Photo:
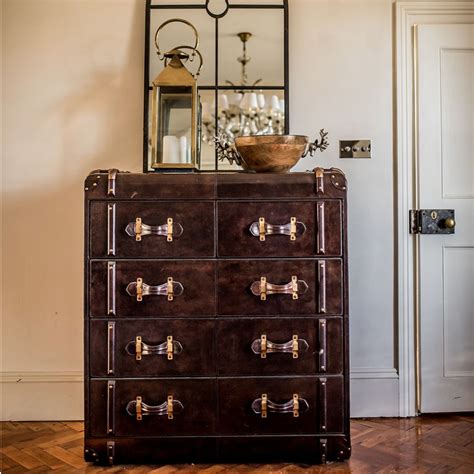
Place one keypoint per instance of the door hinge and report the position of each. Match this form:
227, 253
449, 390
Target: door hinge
432, 221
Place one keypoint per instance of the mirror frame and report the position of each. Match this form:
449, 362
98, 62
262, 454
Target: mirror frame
168, 5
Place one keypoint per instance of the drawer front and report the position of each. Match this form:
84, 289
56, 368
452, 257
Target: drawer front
114, 227
317, 228
320, 403
113, 407
114, 287
164, 348
269, 347
319, 285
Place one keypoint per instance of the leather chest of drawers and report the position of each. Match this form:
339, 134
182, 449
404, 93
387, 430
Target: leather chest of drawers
216, 317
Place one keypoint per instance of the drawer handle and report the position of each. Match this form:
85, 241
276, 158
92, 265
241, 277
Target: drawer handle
263, 346
138, 408
140, 289
261, 228
138, 229
294, 288
263, 405
138, 348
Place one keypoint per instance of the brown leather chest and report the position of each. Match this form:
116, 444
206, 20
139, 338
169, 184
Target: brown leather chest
216, 317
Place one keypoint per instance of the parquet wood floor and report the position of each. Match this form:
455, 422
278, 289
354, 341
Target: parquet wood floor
428, 444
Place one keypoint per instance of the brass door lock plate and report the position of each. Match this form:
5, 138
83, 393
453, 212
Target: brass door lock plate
355, 149
432, 221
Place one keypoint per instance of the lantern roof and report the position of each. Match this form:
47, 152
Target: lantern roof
175, 73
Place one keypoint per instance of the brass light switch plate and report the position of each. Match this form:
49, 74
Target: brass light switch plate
355, 149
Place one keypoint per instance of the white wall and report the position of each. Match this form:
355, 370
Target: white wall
72, 72
341, 79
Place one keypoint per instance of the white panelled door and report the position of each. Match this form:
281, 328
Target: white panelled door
446, 181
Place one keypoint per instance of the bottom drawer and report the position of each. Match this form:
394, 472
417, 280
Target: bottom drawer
168, 407
281, 405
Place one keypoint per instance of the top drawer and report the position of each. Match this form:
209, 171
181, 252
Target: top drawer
115, 232
280, 228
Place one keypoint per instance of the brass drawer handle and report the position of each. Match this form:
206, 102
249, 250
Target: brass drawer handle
294, 288
138, 408
138, 229
138, 348
140, 289
262, 228
263, 405
263, 346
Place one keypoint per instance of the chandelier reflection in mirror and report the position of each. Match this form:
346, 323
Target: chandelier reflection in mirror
244, 111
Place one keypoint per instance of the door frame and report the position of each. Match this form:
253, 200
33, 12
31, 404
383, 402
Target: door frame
408, 15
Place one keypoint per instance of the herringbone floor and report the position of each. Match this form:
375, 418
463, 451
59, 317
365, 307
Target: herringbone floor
418, 445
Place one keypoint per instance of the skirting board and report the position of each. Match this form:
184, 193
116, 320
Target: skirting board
50, 396
42, 396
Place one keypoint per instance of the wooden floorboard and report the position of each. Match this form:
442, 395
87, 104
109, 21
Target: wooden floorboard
428, 444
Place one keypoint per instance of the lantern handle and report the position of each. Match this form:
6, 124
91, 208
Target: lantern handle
175, 20
177, 50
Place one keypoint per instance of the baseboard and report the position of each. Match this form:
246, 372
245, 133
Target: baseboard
41, 396
374, 392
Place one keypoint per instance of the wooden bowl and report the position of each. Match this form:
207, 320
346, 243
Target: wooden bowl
271, 153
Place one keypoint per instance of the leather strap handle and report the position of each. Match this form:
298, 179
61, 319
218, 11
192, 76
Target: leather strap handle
138, 348
294, 288
140, 289
138, 408
263, 405
262, 228
138, 229
263, 346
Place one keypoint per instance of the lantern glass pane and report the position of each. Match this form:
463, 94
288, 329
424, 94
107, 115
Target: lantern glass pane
175, 119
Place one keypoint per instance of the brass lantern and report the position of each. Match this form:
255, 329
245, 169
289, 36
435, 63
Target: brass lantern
175, 104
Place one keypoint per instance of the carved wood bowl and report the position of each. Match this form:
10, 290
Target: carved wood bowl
271, 153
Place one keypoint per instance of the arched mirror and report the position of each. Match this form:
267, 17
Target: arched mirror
242, 87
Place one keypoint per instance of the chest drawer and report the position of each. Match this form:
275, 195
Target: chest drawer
152, 288
319, 405
153, 348
299, 287
113, 407
115, 231
279, 346
279, 228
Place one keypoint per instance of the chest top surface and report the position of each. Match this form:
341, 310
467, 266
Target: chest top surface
113, 184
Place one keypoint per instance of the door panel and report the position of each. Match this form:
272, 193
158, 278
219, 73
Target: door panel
446, 181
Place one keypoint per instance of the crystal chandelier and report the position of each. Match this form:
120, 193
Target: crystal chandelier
244, 112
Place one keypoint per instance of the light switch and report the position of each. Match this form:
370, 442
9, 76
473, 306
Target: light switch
355, 149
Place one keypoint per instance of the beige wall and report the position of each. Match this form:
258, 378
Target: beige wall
72, 72
72, 103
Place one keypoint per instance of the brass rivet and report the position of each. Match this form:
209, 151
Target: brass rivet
86, 189
94, 184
